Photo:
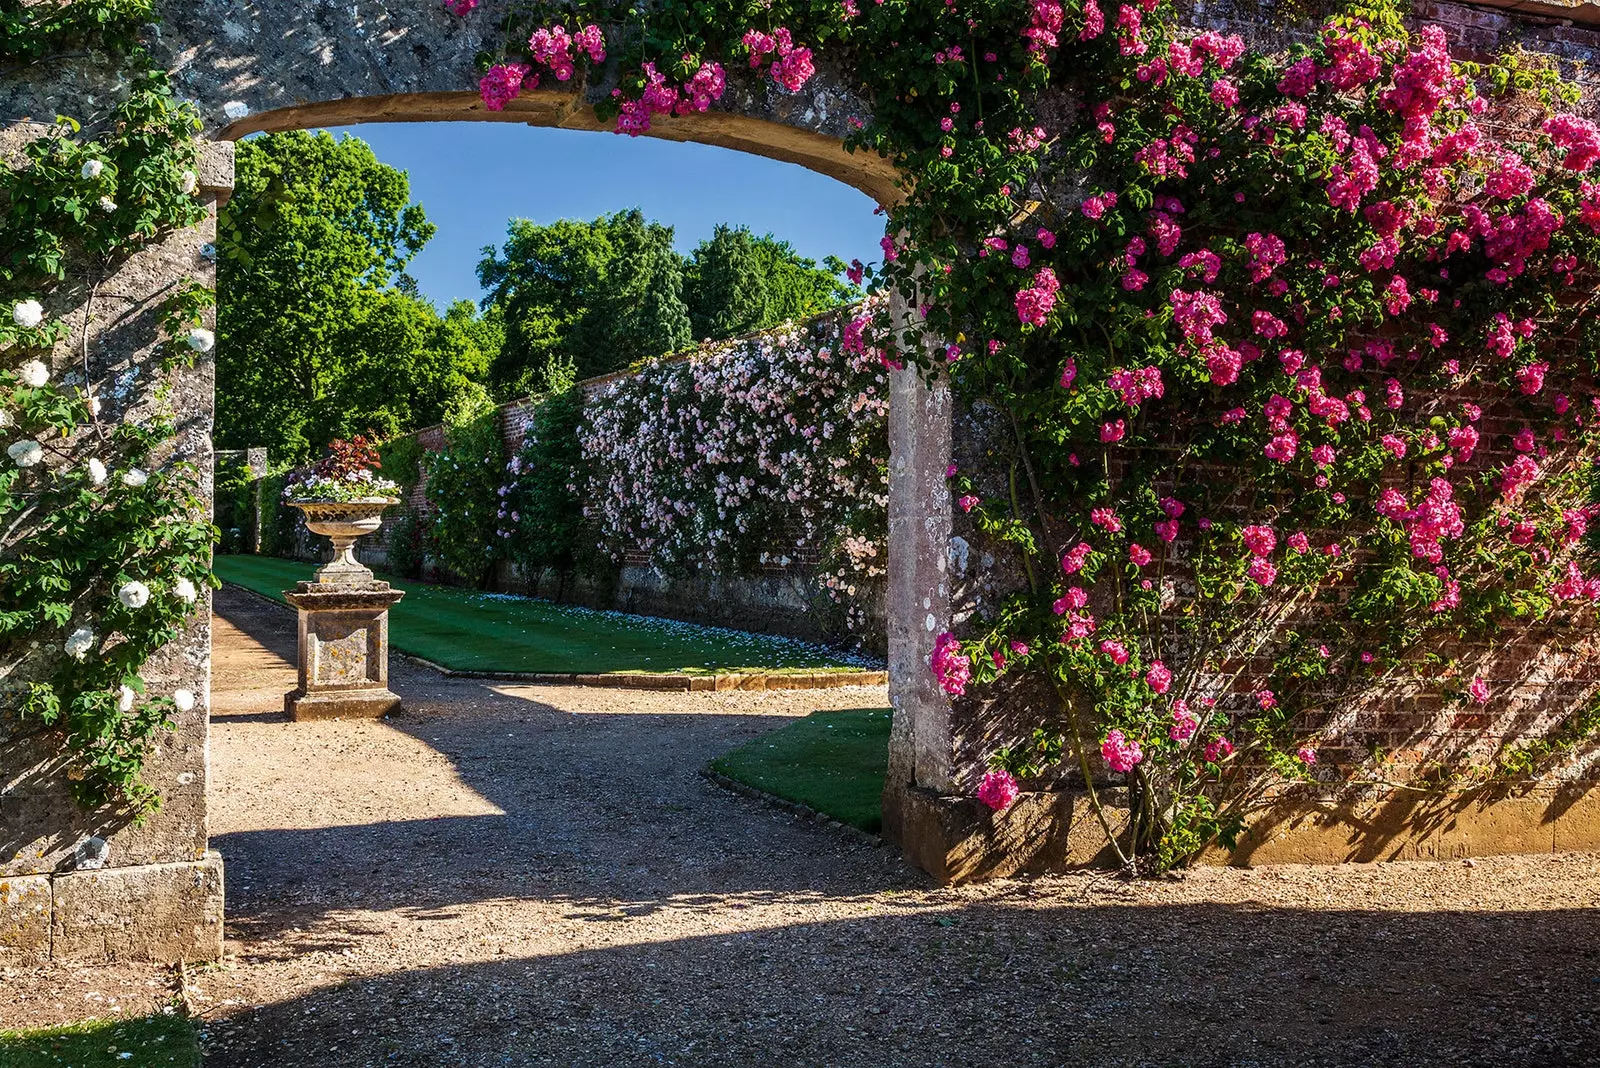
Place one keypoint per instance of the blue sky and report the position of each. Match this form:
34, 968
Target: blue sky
474, 177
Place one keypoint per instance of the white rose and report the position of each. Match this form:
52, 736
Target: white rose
27, 314
97, 471
92, 170
185, 590
25, 453
125, 699
184, 699
134, 477
201, 340
108, 205
79, 642
191, 182
33, 374
134, 594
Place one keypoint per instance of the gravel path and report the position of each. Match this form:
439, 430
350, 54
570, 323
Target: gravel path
515, 875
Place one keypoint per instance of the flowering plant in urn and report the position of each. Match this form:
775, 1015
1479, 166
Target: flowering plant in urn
343, 499
346, 476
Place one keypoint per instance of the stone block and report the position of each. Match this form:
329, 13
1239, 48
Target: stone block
24, 921
343, 704
958, 839
163, 913
344, 651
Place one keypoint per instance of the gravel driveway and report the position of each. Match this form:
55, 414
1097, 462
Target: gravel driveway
516, 875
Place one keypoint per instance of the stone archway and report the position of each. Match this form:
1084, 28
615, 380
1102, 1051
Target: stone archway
289, 64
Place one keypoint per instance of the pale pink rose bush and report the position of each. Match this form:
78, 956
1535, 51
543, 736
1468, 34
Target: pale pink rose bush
753, 453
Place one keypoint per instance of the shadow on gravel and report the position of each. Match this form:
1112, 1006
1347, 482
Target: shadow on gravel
985, 985
605, 812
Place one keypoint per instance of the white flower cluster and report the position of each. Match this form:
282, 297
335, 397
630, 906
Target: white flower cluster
358, 485
774, 447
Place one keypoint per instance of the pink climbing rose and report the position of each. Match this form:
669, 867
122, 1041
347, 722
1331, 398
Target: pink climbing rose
998, 789
1120, 753
1478, 690
504, 82
950, 666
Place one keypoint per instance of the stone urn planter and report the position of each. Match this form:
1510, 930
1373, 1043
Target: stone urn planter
343, 522
344, 620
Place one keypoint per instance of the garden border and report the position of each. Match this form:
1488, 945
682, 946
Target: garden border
677, 682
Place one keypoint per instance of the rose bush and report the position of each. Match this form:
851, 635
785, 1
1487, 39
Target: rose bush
754, 452
104, 537
1295, 348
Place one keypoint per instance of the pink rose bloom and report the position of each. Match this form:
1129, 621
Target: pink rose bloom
1307, 756
967, 502
1184, 724
1116, 651
950, 666
1218, 750
998, 790
1121, 754
1159, 678
1113, 431
1106, 519
1262, 571
1075, 558
1478, 690
503, 83
1138, 555
1260, 540
1299, 542
1069, 373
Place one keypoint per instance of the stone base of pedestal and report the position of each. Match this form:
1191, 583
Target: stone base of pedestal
350, 704
344, 651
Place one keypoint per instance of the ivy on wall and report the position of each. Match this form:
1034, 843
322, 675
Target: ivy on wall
104, 544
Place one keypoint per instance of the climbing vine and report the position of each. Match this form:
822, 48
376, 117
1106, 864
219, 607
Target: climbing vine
1295, 349
104, 544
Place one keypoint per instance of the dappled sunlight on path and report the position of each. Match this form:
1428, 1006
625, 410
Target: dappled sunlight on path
524, 875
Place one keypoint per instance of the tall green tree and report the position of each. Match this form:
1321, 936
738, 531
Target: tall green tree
321, 332
596, 296
728, 285
738, 282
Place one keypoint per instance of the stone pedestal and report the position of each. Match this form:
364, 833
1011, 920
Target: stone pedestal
344, 650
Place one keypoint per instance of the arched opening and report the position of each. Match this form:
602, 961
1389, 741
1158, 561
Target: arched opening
519, 806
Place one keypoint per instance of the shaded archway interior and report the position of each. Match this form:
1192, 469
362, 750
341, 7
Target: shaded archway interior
872, 174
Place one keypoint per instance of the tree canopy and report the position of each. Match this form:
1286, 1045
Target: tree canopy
598, 296
322, 334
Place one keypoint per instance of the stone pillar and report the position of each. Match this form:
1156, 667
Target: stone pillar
95, 886
344, 651
256, 460
921, 750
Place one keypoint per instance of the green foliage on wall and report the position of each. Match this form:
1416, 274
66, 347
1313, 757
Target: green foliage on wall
541, 518
463, 492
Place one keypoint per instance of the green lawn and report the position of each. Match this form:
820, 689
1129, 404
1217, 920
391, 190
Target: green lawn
833, 762
468, 631
158, 1041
